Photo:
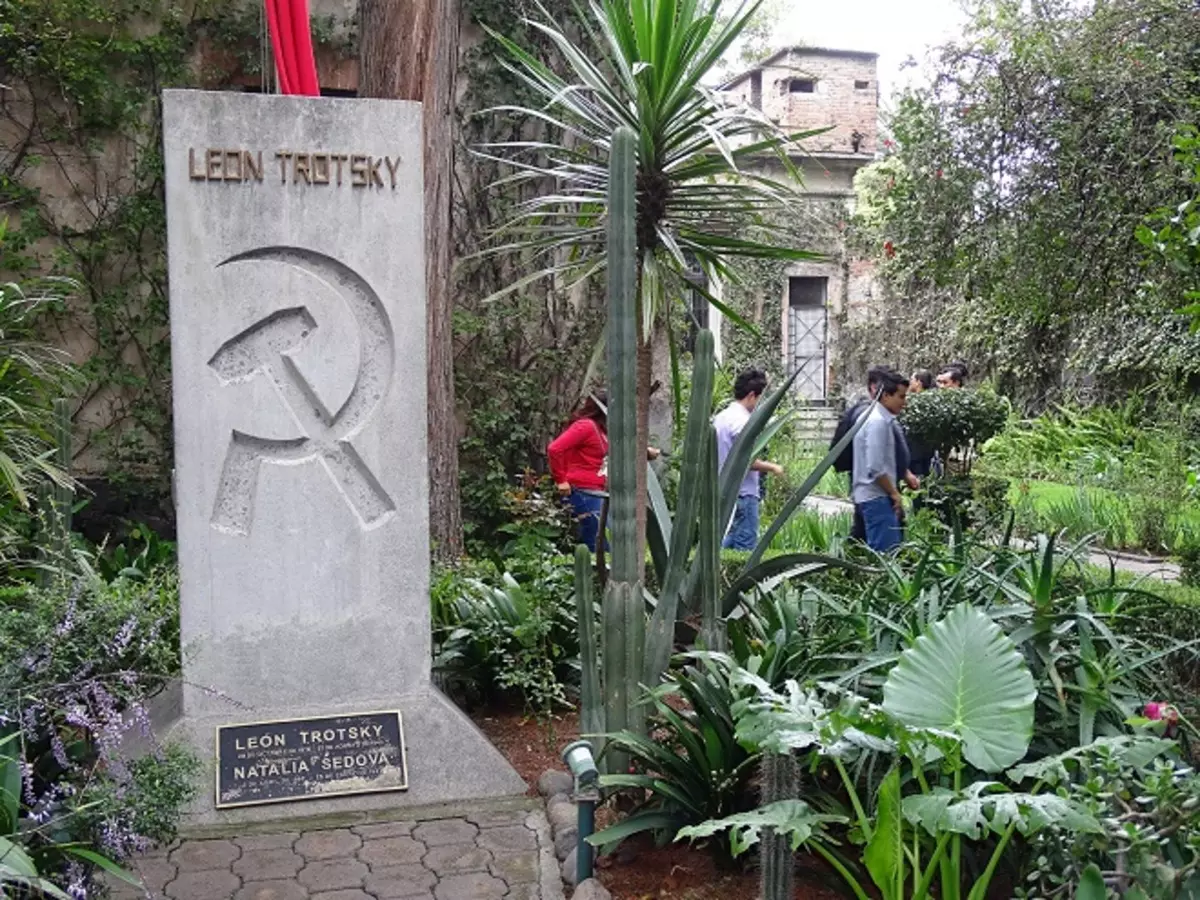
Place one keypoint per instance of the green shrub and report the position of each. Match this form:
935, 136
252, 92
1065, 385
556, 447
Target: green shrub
954, 421
691, 767
79, 657
507, 626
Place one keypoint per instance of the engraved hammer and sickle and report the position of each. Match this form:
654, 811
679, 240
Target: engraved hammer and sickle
267, 347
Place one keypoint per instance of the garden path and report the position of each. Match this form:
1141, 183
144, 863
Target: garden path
499, 851
1160, 569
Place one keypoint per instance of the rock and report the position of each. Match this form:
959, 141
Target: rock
591, 889
559, 798
553, 782
565, 841
562, 815
570, 867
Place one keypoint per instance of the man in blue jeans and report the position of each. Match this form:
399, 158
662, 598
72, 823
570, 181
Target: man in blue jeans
729, 422
875, 493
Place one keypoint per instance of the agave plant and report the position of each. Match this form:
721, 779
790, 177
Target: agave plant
640, 65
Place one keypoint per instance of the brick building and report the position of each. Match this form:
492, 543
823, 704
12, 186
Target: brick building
804, 88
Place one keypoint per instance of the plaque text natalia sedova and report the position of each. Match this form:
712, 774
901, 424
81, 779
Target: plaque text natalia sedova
302, 759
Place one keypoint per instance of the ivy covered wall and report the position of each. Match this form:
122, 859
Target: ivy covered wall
81, 189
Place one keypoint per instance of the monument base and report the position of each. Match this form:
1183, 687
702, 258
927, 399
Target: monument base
449, 761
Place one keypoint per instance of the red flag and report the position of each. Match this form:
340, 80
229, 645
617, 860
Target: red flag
291, 39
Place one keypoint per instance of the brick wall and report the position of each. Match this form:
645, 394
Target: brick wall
836, 98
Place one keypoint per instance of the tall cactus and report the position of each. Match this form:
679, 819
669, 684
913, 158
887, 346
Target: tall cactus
712, 629
624, 607
591, 710
780, 781
696, 473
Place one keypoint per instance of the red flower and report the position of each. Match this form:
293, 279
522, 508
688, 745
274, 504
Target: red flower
889, 250
1156, 711
887, 144
939, 173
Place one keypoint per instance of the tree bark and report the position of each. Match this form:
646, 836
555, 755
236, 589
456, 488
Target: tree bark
408, 50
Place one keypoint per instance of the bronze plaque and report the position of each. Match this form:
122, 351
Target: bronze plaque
306, 759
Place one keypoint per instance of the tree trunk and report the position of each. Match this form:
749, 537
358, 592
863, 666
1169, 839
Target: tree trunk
408, 50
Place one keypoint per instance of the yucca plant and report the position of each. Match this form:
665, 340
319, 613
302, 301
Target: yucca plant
700, 201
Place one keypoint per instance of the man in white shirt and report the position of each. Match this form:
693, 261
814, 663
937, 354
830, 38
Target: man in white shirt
874, 490
729, 422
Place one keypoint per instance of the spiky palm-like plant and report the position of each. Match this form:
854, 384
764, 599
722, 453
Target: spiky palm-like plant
700, 199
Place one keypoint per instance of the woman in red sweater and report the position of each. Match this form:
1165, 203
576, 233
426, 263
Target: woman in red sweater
577, 464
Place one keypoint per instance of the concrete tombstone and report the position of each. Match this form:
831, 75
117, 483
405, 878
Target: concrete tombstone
297, 298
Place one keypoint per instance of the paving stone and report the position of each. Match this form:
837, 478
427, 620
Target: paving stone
400, 881
289, 889
154, 873
516, 866
391, 852
454, 858
524, 892
343, 895
445, 831
268, 865
328, 844
333, 874
514, 837
281, 841
475, 886
204, 856
384, 830
159, 851
209, 885
497, 818
118, 889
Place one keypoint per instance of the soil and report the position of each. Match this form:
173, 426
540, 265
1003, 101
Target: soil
531, 745
638, 870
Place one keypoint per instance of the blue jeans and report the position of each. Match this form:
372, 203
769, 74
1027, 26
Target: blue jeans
743, 531
882, 524
586, 508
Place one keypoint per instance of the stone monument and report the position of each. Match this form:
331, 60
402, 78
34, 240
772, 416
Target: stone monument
297, 293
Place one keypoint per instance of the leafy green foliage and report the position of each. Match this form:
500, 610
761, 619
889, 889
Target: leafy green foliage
1004, 218
793, 819
954, 421
1173, 233
512, 629
965, 677
691, 767
33, 377
1149, 810
641, 66
79, 658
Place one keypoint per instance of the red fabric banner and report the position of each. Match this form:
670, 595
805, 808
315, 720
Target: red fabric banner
291, 39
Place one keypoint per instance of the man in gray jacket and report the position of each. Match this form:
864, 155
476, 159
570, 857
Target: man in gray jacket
874, 490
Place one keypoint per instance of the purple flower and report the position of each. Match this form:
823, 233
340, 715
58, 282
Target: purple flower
121, 642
